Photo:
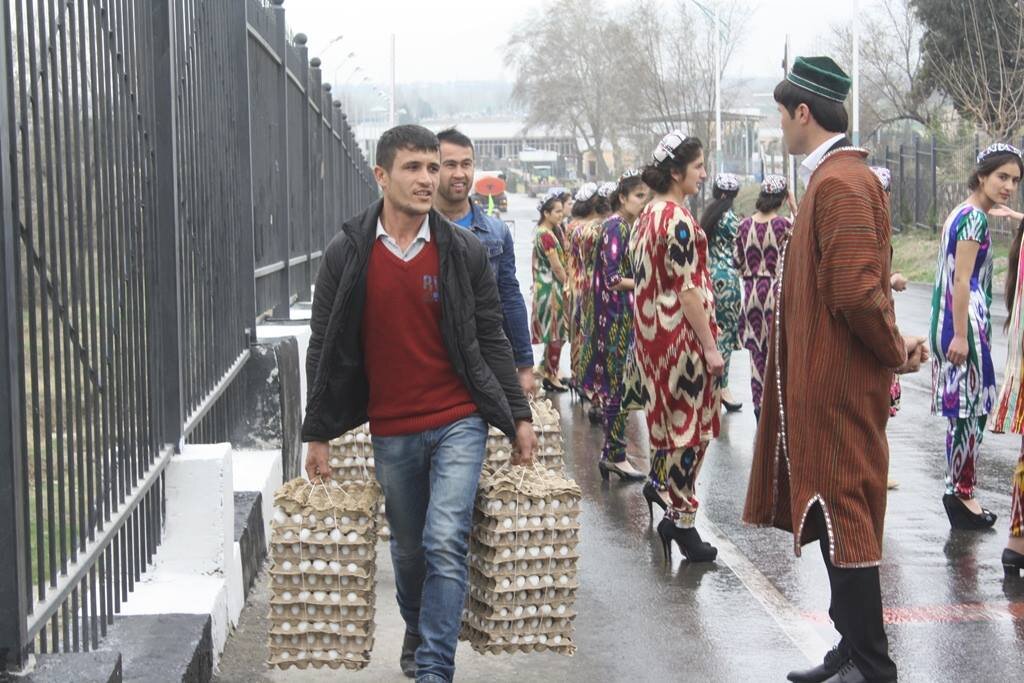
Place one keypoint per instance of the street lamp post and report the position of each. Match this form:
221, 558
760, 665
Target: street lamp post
716, 18
856, 72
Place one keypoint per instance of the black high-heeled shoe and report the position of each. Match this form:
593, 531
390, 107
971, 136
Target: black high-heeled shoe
607, 468
689, 541
960, 517
1013, 563
551, 386
732, 407
653, 498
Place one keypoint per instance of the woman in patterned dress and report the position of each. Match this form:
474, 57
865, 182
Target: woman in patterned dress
758, 243
613, 321
589, 243
548, 319
963, 377
719, 223
676, 350
583, 213
1008, 415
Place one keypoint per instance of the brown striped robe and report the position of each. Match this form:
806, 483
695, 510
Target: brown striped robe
835, 348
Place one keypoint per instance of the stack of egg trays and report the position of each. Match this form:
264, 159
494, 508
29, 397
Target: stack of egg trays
322, 574
547, 426
524, 567
352, 461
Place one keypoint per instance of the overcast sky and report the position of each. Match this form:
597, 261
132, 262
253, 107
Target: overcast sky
445, 40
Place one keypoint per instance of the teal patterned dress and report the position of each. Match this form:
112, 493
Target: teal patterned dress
728, 289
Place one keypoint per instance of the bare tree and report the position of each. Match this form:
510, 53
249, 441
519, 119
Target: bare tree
673, 67
893, 87
974, 52
566, 76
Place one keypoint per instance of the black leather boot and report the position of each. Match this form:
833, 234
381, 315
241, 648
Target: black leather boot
408, 660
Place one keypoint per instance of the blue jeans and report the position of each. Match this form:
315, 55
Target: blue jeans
430, 481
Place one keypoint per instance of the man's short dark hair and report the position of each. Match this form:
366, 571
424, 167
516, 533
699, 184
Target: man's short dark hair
829, 114
410, 137
455, 137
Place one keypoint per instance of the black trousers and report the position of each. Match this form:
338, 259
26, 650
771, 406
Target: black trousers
856, 611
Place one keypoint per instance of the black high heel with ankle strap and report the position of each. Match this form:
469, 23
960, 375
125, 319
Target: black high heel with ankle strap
653, 498
689, 541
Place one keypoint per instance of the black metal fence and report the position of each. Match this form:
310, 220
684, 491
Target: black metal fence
170, 172
929, 177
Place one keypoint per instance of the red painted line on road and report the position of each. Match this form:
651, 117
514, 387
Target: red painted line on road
935, 614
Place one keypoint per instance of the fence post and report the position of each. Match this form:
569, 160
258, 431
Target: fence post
902, 182
238, 47
305, 177
917, 180
282, 226
164, 320
13, 580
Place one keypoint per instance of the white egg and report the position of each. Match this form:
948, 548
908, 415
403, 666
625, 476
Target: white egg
286, 626
352, 597
297, 518
319, 565
335, 596
335, 535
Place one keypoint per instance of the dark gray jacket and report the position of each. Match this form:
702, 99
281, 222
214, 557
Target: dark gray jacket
471, 326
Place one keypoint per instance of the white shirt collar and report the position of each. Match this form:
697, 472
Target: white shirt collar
423, 234
810, 164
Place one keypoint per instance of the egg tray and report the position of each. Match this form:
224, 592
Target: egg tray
335, 614
494, 644
518, 610
358, 566
520, 567
514, 539
497, 585
287, 625
520, 626
522, 597
354, 664
354, 597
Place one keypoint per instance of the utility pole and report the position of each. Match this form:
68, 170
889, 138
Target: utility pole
391, 100
856, 72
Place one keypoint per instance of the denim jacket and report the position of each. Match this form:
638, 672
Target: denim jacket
497, 238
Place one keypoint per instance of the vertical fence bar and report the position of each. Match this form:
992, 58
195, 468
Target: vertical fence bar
238, 49
165, 303
281, 226
935, 185
13, 581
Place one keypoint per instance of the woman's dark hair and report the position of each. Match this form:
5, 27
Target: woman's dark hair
602, 206
584, 208
547, 207
712, 215
625, 188
829, 114
988, 166
658, 176
769, 203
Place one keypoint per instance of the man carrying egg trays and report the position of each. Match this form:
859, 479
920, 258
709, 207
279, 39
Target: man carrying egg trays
547, 426
523, 562
323, 575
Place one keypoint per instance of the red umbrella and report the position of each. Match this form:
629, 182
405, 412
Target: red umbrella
490, 186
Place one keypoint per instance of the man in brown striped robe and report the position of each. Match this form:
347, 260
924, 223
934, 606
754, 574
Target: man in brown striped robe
821, 456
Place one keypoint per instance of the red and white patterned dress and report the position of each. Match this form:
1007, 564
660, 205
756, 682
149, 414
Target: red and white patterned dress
669, 251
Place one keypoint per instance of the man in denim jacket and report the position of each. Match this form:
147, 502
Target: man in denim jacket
452, 200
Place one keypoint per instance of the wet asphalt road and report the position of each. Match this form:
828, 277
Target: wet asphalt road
758, 611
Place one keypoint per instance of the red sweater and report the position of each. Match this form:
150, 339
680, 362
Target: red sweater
413, 386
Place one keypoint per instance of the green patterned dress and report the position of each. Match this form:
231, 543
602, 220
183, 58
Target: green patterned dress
548, 321
728, 290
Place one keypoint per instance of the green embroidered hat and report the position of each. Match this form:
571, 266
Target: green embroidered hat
821, 76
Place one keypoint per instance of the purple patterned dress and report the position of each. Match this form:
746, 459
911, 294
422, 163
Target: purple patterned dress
757, 256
